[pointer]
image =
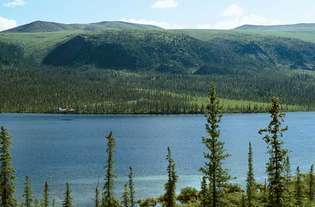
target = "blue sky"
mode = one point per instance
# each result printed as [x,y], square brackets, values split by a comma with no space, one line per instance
[218,14]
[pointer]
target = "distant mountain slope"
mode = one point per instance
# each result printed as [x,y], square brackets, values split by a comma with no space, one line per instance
[180,53]
[42,26]
[289,27]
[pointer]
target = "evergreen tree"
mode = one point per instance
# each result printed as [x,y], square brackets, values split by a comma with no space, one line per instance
[7,177]
[108,199]
[68,197]
[215,155]
[204,201]
[277,154]
[288,195]
[131,188]
[46,195]
[311,185]
[170,186]
[298,189]
[97,197]
[28,197]
[126,196]
[251,184]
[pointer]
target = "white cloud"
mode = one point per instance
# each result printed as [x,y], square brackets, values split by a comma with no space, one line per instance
[165,4]
[162,24]
[14,3]
[6,23]
[234,16]
[233,10]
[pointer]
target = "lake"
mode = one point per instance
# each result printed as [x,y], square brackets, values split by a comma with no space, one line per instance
[61,148]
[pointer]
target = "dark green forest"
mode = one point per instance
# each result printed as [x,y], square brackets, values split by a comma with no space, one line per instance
[96,91]
[283,186]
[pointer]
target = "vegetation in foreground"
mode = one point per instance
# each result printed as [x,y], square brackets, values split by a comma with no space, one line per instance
[280,189]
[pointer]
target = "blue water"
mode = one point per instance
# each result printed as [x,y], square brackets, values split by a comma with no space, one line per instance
[61,148]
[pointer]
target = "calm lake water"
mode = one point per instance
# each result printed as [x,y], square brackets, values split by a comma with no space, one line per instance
[61,148]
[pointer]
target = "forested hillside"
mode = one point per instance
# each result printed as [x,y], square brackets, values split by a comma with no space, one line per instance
[131,69]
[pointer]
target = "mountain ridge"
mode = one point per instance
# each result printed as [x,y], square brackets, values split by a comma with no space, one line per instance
[46,26]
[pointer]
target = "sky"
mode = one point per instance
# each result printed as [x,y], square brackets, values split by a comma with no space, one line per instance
[169,14]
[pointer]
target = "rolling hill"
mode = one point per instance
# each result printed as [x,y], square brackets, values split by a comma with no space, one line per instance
[43,26]
[290,27]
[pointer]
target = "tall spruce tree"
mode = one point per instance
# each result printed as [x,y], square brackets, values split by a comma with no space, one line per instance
[126,196]
[311,192]
[170,186]
[251,184]
[7,177]
[46,195]
[27,195]
[68,197]
[298,189]
[277,154]
[213,170]
[131,188]
[108,199]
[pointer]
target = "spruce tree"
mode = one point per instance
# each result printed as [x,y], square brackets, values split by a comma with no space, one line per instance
[298,189]
[97,197]
[46,195]
[204,201]
[27,195]
[108,199]
[277,154]
[126,196]
[170,186]
[288,195]
[251,184]
[7,177]
[311,185]
[68,197]
[213,170]
[131,188]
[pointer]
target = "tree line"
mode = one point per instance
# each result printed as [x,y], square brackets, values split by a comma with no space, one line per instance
[89,91]
[281,187]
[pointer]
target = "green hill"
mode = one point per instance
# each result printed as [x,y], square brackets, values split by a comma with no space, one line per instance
[42,26]
[181,53]
[289,27]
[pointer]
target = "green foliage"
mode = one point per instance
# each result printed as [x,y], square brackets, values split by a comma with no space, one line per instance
[213,170]
[126,196]
[131,188]
[188,195]
[108,199]
[67,202]
[298,189]
[28,196]
[277,155]
[46,195]
[311,191]
[7,177]
[169,199]
[251,184]
[148,202]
